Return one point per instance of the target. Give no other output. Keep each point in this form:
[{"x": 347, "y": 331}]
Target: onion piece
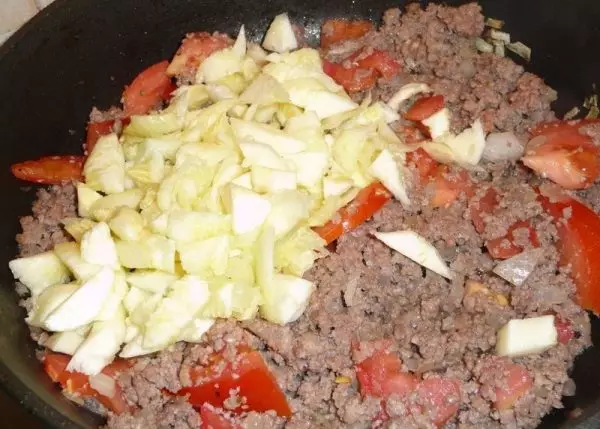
[
  {"x": 502, "y": 147},
  {"x": 103, "y": 384},
  {"x": 516, "y": 269},
  {"x": 501, "y": 36},
  {"x": 520, "y": 49},
  {"x": 494, "y": 23},
  {"x": 483, "y": 46}
]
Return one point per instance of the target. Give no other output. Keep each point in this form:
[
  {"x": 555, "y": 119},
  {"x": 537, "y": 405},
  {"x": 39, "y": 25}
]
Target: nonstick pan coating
[{"x": 80, "y": 53}]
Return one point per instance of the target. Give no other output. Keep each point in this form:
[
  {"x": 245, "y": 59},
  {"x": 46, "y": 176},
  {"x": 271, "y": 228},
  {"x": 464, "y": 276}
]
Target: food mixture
[{"x": 458, "y": 234}]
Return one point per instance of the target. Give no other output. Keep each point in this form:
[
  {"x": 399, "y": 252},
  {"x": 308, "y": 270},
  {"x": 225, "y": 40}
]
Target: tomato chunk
[
  {"x": 368, "y": 202},
  {"x": 55, "y": 365},
  {"x": 483, "y": 207},
  {"x": 579, "y": 244},
  {"x": 50, "y": 170},
  {"x": 353, "y": 79},
  {"x": 514, "y": 383},
  {"x": 247, "y": 373},
  {"x": 506, "y": 247},
  {"x": 95, "y": 130},
  {"x": 423, "y": 162},
  {"x": 151, "y": 87},
  {"x": 380, "y": 376},
  {"x": 439, "y": 399},
  {"x": 448, "y": 187},
  {"x": 424, "y": 107},
  {"x": 194, "y": 49},
  {"x": 337, "y": 30},
  {"x": 381, "y": 61}
]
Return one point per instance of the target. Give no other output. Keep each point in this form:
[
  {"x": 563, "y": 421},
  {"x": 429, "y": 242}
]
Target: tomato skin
[
  {"x": 381, "y": 61},
  {"x": 440, "y": 399},
  {"x": 194, "y": 49},
  {"x": 337, "y": 30},
  {"x": 579, "y": 245},
  {"x": 353, "y": 79},
  {"x": 424, "y": 107},
  {"x": 483, "y": 207},
  {"x": 95, "y": 130},
  {"x": 249, "y": 375},
  {"x": 50, "y": 170},
  {"x": 368, "y": 202},
  {"x": 148, "y": 89},
  {"x": 55, "y": 365},
  {"x": 564, "y": 155},
  {"x": 505, "y": 247}
]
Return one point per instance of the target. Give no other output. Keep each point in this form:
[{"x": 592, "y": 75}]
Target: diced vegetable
[
  {"x": 520, "y": 337},
  {"x": 150, "y": 281},
  {"x": 84, "y": 304},
  {"x": 248, "y": 209},
  {"x": 95, "y": 130},
  {"x": 86, "y": 197},
  {"x": 194, "y": 49},
  {"x": 76, "y": 227},
  {"x": 406, "y": 92},
  {"x": 387, "y": 171},
  {"x": 425, "y": 107},
  {"x": 70, "y": 254},
  {"x": 97, "y": 246},
  {"x": 415, "y": 247},
  {"x": 64, "y": 342},
  {"x": 502, "y": 147},
  {"x": 286, "y": 299},
  {"x": 517, "y": 269},
  {"x": 127, "y": 224},
  {"x": 48, "y": 301},
  {"x": 280, "y": 36},
  {"x": 506, "y": 247},
  {"x": 106, "y": 207},
  {"x": 104, "y": 168},
  {"x": 39, "y": 271}
]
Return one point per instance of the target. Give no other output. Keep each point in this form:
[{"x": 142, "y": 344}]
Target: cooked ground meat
[{"x": 365, "y": 291}]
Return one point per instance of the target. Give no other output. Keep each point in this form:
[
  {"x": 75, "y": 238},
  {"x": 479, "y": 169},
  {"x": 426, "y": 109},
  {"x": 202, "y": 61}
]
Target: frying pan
[{"x": 80, "y": 53}]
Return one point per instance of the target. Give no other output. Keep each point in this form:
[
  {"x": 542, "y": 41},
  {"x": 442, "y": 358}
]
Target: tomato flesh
[
  {"x": 248, "y": 374},
  {"x": 517, "y": 382},
  {"x": 439, "y": 399},
  {"x": 382, "y": 62},
  {"x": 55, "y": 365},
  {"x": 151, "y": 87},
  {"x": 448, "y": 187},
  {"x": 380, "y": 376},
  {"x": 194, "y": 49},
  {"x": 483, "y": 207},
  {"x": 337, "y": 30},
  {"x": 565, "y": 331},
  {"x": 579, "y": 244},
  {"x": 564, "y": 155},
  {"x": 368, "y": 202},
  {"x": 425, "y": 107},
  {"x": 353, "y": 79},
  {"x": 50, "y": 170},
  {"x": 506, "y": 247}
]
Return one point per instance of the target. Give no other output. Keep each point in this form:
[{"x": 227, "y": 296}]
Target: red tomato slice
[
  {"x": 517, "y": 382},
  {"x": 248, "y": 374},
  {"x": 424, "y": 107},
  {"x": 440, "y": 399},
  {"x": 50, "y": 170},
  {"x": 483, "y": 207},
  {"x": 505, "y": 247},
  {"x": 448, "y": 187},
  {"x": 579, "y": 245},
  {"x": 424, "y": 163},
  {"x": 213, "y": 420},
  {"x": 95, "y": 130},
  {"x": 381, "y": 61},
  {"x": 368, "y": 202},
  {"x": 337, "y": 30},
  {"x": 55, "y": 365},
  {"x": 353, "y": 79},
  {"x": 546, "y": 128},
  {"x": 148, "y": 90},
  {"x": 566, "y": 157},
  {"x": 194, "y": 49},
  {"x": 564, "y": 329}
]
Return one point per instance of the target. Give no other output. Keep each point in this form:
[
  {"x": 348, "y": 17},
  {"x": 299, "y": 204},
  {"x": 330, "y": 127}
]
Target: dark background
[{"x": 14, "y": 413}]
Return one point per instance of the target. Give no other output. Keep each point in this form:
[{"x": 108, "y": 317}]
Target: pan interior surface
[{"x": 77, "y": 54}]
